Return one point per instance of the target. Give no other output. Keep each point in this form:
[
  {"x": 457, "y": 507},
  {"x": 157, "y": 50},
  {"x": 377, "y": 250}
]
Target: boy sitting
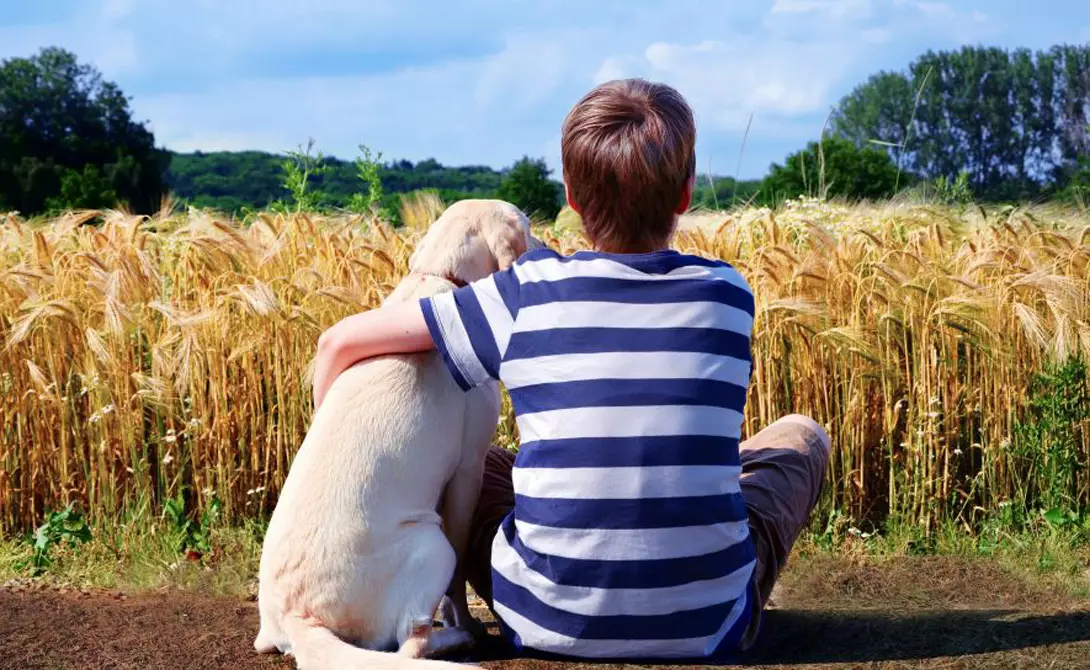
[{"x": 632, "y": 523}]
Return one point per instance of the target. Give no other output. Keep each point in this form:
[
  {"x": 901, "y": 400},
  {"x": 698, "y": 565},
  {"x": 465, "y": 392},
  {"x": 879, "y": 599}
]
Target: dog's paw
[
  {"x": 474, "y": 627},
  {"x": 448, "y": 641}
]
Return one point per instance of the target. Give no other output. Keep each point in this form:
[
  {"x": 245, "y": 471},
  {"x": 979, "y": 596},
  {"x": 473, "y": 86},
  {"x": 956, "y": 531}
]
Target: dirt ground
[{"x": 829, "y": 613}]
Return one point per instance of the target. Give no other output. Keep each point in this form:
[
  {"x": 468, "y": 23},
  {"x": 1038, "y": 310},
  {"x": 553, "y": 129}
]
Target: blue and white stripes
[{"x": 628, "y": 376}]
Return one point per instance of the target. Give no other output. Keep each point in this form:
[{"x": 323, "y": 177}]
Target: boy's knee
[
  {"x": 817, "y": 445},
  {"x": 812, "y": 426}
]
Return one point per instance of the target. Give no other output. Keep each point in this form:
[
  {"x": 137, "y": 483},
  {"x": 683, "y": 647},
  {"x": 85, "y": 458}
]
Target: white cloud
[
  {"x": 611, "y": 68},
  {"x": 836, "y": 8},
  {"x": 116, "y": 10},
  {"x": 727, "y": 81},
  {"x": 487, "y": 109},
  {"x": 98, "y": 32},
  {"x": 936, "y": 9},
  {"x": 877, "y": 35}
]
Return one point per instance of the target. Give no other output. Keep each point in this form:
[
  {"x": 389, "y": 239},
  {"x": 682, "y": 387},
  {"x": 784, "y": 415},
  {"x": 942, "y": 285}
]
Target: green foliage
[
  {"x": 527, "y": 186},
  {"x": 953, "y": 192},
  {"x": 1014, "y": 121},
  {"x": 67, "y": 139},
  {"x": 834, "y": 168},
  {"x": 368, "y": 167},
  {"x": 724, "y": 192},
  {"x": 193, "y": 535},
  {"x": 1050, "y": 442},
  {"x": 1077, "y": 183},
  {"x": 299, "y": 169},
  {"x": 86, "y": 189},
  {"x": 61, "y": 527}
]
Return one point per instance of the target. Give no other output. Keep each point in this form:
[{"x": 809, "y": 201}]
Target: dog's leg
[
  {"x": 415, "y": 594},
  {"x": 459, "y": 504}
]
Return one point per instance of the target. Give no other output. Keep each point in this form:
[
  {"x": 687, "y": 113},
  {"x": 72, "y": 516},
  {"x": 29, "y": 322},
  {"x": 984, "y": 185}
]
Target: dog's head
[{"x": 472, "y": 239}]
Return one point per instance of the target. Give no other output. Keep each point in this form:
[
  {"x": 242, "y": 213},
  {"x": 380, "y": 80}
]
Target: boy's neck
[{"x": 642, "y": 249}]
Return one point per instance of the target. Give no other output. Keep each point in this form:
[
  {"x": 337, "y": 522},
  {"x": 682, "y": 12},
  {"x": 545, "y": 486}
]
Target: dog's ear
[{"x": 508, "y": 240}]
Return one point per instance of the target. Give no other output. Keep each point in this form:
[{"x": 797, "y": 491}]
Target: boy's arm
[
  {"x": 470, "y": 327},
  {"x": 394, "y": 329}
]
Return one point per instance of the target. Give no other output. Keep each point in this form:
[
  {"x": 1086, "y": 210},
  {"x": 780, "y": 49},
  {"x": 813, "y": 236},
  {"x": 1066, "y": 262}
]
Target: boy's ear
[
  {"x": 571, "y": 203},
  {"x": 686, "y": 196}
]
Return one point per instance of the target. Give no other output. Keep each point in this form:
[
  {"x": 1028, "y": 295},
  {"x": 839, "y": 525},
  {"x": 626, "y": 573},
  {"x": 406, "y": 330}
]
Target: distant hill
[{"x": 231, "y": 181}]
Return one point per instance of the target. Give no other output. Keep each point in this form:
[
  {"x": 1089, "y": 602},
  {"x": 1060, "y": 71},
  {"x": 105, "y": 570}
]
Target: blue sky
[{"x": 487, "y": 81}]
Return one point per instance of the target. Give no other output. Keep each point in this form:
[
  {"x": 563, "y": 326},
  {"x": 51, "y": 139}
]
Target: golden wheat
[{"x": 142, "y": 357}]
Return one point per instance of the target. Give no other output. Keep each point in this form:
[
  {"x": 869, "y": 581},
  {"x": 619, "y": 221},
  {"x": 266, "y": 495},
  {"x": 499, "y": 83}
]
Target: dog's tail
[{"x": 316, "y": 648}]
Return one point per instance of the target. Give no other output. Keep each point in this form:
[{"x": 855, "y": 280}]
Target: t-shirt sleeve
[{"x": 472, "y": 325}]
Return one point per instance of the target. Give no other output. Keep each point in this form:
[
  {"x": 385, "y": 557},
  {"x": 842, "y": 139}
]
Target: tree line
[
  {"x": 1016, "y": 123},
  {"x": 234, "y": 181},
  {"x": 984, "y": 123}
]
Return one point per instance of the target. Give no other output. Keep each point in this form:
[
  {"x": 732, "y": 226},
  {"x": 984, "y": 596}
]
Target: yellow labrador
[{"x": 373, "y": 520}]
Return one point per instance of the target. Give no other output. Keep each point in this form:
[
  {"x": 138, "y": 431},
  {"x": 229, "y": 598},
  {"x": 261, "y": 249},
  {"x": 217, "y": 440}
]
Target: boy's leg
[
  {"x": 496, "y": 501},
  {"x": 783, "y": 469}
]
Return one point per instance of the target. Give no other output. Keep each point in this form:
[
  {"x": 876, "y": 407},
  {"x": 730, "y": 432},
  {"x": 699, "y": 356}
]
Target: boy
[{"x": 632, "y": 523}]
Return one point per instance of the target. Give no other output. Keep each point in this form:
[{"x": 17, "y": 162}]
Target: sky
[{"x": 485, "y": 82}]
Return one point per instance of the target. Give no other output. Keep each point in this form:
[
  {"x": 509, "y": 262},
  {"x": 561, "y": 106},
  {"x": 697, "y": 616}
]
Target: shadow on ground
[
  {"x": 830, "y": 639},
  {"x": 797, "y": 637}
]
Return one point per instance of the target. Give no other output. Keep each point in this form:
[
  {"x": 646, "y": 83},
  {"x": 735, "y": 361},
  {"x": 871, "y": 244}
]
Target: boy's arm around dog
[{"x": 395, "y": 329}]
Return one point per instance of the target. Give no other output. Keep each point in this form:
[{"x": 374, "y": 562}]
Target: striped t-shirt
[{"x": 628, "y": 377}]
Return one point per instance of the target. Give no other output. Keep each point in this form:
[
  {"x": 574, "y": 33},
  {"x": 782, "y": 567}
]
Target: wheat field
[{"x": 142, "y": 357}]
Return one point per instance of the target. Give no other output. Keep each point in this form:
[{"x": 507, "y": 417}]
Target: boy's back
[{"x": 628, "y": 375}]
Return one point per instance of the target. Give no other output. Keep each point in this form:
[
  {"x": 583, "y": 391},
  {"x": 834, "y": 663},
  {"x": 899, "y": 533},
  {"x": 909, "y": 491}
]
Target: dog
[{"x": 370, "y": 529}]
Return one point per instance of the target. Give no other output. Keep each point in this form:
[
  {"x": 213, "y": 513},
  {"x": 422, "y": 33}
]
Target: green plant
[
  {"x": 955, "y": 191},
  {"x": 61, "y": 527},
  {"x": 1050, "y": 443},
  {"x": 831, "y": 536},
  {"x": 194, "y": 536},
  {"x": 1077, "y": 190},
  {"x": 367, "y": 169},
  {"x": 299, "y": 168}
]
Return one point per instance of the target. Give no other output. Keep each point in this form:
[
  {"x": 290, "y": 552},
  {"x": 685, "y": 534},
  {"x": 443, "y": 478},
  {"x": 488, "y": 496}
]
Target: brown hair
[{"x": 628, "y": 149}]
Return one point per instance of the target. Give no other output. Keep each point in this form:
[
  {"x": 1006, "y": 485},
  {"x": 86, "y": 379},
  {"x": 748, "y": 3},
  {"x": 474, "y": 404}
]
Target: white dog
[{"x": 357, "y": 557}]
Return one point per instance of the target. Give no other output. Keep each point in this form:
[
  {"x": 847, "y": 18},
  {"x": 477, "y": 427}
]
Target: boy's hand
[{"x": 395, "y": 329}]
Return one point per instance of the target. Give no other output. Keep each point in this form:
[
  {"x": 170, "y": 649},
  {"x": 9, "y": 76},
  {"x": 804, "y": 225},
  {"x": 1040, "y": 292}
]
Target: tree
[
  {"x": 724, "y": 192},
  {"x": 834, "y": 168},
  {"x": 67, "y": 139},
  {"x": 527, "y": 186},
  {"x": 1014, "y": 121}
]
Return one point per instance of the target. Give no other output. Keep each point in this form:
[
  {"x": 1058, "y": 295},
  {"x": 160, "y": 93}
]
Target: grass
[
  {"x": 143, "y": 557},
  {"x": 164, "y": 360},
  {"x": 138, "y": 556}
]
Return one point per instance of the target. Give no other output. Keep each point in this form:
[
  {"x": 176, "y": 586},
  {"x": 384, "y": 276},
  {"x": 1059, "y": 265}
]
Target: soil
[{"x": 827, "y": 613}]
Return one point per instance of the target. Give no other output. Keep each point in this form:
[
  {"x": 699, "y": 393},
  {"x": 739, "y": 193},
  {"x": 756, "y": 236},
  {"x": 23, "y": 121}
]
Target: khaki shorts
[{"x": 783, "y": 469}]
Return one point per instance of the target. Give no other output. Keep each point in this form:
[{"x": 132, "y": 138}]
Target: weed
[
  {"x": 367, "y": 168},
  {"x": 299, "y": 169},
  {"x": 1051, "y": 443},
  {"x": 193, "y": 535},
  {"x": 64, "y": 527},
  {"x": 954, "y": 191}
]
